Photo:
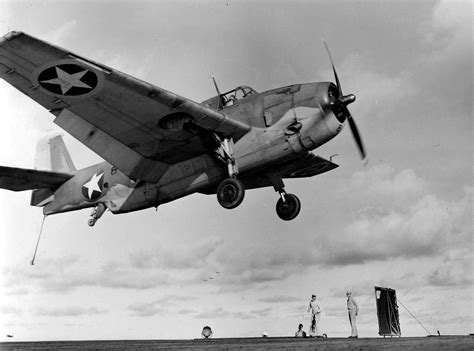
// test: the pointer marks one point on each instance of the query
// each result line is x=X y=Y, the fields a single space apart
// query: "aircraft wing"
x=308 y=166
x=136 y=126
x=18 y=179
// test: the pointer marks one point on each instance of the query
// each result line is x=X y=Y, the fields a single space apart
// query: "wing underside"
x=138 y=127
x=308 y=166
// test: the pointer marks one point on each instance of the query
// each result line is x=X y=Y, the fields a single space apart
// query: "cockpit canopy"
x=230 y=97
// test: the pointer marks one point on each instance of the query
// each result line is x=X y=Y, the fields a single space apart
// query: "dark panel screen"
x=387 y=311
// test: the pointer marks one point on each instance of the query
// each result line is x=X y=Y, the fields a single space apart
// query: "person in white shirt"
x=353 y=310
x=315 y=309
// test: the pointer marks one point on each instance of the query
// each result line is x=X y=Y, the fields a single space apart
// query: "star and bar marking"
x=92 y=190
x=68 y=79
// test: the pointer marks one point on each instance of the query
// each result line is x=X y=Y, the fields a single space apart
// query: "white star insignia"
x=68 y=81
x=93 y=184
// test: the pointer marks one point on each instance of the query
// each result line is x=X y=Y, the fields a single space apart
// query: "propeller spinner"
x=340 y=103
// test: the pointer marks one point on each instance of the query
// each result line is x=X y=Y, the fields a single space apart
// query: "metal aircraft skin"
x=159 y=146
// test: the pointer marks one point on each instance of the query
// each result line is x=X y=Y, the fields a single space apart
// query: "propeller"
x=341 y=103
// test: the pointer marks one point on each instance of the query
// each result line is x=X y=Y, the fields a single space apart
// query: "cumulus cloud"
x=454 y=270
x=67 y=274
x=10 y=310
x=222 y=313
x=450 y=29
x=280 y=299
x=383 y=181
x=61 y=33
x=161 y=306
x=189 y=256
x=408 y=222
x=261 y=263
x=146 y=309
x=376 y=90
x=72 y=311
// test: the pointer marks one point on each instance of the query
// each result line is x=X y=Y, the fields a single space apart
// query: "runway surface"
x=457 y=342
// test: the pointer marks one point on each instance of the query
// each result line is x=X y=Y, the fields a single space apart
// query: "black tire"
x=289 y=209
x=230 y=193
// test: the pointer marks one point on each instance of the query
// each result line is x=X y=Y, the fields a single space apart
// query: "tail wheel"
x=230 y=193
x=288 y=209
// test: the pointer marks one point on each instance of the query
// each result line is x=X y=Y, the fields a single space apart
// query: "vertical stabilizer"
x=52 y=155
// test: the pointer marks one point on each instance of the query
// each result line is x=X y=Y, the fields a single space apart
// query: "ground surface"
x=421 y=343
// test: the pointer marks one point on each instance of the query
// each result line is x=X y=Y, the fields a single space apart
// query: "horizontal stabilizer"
x=18 y=179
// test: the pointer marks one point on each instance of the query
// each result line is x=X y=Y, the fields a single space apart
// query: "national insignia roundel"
x=93 y=189
x=68 y=79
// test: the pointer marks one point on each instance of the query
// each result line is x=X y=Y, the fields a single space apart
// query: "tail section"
x=52 y=155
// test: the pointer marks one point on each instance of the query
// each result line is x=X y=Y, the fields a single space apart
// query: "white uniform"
x=353 y=310
x=315 y=308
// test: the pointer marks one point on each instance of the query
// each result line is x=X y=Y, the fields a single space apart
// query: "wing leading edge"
x=138 y=127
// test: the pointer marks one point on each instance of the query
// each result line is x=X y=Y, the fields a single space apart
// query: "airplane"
x=159 y=146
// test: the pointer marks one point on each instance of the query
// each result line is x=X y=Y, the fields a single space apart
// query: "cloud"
x=191 y=256
x=383 y=181
x=455 y=270
x=450 y=29
x=69 y=273
x=60 y=35
x=146 y=309
x=377 y=91
x=10 y=310
x=221 y=313
x=279 y=299
x=161 y=306
x=262 y=312
x=17 y=292
x=399 y=220
x=260 y=263
x=73 y=311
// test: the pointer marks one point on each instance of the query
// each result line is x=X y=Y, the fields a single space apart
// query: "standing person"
x=353 y=310
x=315 y=308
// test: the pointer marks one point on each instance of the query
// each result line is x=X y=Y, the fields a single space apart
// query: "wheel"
x=230 y=193
x=91 y=222
x=289 y=209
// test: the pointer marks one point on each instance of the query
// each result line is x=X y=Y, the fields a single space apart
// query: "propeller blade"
x=339 y=88
x=358 y=139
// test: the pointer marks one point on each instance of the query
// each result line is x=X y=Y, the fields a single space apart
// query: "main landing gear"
x=231 y=191
x=97 y=212
x=288 y=206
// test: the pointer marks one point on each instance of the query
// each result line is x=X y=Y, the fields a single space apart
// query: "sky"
x=403 y=221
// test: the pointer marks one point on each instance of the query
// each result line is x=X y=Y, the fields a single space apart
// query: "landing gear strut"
x=288 y=206
x=97 y=212
x=231 y=191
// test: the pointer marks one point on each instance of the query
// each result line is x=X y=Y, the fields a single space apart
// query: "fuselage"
x=286 y=124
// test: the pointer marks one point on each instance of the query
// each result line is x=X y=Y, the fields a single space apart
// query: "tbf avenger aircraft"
x=159 y=146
